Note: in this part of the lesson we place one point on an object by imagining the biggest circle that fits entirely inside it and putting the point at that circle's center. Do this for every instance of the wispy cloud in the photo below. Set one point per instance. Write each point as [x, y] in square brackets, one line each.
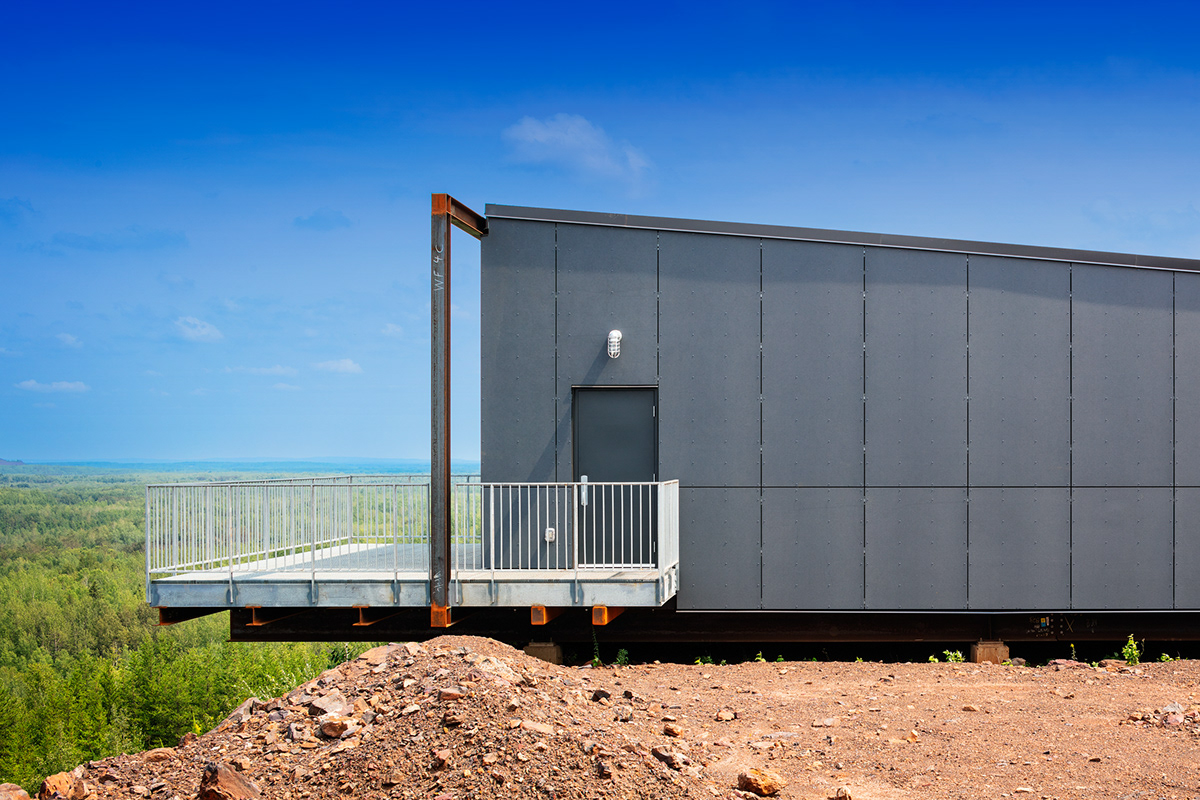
[323, 219]
[278, 369]
[57, 386]
[392, 329]
[286, 387]
[131, 238]
[12, 209]
[68, 340]
[340, 365]
[197, 330]
[572, 142]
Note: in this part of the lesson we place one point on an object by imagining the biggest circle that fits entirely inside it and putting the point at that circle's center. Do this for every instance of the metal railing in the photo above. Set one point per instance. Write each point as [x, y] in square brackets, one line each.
[340, 523]
[380, 524]
[566, 526]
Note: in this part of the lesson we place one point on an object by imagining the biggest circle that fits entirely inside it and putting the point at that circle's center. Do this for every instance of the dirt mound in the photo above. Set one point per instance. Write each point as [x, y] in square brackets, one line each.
[456, 717]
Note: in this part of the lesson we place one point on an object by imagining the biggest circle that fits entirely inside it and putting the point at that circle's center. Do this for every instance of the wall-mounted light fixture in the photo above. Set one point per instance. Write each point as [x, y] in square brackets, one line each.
[614, 344]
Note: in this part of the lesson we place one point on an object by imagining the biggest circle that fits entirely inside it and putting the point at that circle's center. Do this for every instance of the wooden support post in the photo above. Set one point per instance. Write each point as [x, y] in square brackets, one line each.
[602, 615]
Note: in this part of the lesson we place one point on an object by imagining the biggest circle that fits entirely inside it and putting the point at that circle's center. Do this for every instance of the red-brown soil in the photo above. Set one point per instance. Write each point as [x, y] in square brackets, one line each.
[525, 728]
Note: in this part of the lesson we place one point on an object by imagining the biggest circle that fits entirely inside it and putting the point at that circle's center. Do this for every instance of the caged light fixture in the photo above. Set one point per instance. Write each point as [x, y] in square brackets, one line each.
[614, 344]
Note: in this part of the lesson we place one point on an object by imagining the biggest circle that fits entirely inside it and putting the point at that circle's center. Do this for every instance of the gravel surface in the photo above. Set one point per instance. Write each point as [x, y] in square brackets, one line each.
[466, 717]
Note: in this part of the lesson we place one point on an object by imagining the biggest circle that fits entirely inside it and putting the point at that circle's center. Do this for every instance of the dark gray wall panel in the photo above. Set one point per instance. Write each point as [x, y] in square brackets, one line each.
[1020, 320]
[720, 560]
[1187, 379]
[1122, 377]
[1187, 548]
[709, 330]
[812, 549]
[607, 279]
[517, 352]
[916, 384]
[916, 549]
[1020, 548]
[1121, 556]
[812, 364]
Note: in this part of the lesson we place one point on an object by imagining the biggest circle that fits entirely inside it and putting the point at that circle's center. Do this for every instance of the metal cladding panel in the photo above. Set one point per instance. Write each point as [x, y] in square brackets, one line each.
[1122, 555]
[720, 561]
[916, 549]
[1020, 548]
[812, 549]
[517, 415]
[1020, 382]
[1187, 379]
[607, 280]
[709, 329]
[1123, 374]
[812, 322]
[916, 368]
[1187, 548]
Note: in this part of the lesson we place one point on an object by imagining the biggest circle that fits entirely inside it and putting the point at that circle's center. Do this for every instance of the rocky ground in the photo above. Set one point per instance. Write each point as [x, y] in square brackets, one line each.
[458, 718]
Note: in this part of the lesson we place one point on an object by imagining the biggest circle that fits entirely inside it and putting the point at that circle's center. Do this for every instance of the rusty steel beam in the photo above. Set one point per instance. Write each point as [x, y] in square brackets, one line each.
[540, 615]
[259, 617]
[602, 615]
[367, 618]
[446, 211]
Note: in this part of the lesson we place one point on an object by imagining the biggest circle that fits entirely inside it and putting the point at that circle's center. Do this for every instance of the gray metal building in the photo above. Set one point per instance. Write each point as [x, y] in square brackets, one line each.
[858, 421]
[890, 437]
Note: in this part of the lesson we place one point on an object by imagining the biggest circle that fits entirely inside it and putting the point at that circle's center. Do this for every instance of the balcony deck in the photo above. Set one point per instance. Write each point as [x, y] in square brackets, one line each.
[363, 541]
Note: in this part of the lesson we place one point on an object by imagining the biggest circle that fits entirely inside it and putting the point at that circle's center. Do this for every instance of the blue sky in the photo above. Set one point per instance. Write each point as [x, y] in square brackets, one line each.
[214, 220]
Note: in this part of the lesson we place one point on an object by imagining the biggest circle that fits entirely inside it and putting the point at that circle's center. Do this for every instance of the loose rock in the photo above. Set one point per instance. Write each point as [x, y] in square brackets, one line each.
[222, 783]
[763, 782]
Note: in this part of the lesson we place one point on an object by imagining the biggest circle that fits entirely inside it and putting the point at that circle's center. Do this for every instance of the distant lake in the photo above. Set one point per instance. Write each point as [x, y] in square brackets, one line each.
[320, 466]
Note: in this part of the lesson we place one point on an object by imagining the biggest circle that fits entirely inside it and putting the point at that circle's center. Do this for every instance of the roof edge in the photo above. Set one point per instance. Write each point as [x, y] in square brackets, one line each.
[1036, 252]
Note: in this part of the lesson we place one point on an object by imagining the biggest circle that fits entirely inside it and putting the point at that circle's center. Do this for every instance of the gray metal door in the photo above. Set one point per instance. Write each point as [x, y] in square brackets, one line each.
[616, 442]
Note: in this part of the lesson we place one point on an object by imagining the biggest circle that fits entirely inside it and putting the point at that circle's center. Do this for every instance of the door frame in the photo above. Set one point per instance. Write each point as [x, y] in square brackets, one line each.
[575, 418]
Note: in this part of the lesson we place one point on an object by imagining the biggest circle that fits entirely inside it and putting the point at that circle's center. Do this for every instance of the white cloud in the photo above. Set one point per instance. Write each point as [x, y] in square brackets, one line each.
[286, 387]
[278, 369]
[69, 340]
[197, 330]
[392, 329]
[340, 365]
[571, 141]
[57, 386]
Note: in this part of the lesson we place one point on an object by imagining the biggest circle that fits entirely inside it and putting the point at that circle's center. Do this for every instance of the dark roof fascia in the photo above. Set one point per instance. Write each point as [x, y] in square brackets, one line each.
[841, 237]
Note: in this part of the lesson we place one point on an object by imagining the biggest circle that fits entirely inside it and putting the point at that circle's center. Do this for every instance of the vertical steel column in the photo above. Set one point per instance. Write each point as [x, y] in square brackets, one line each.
[446, 212]
[439, 465]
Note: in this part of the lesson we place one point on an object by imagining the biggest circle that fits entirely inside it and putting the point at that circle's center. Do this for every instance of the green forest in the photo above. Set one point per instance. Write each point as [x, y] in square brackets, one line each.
[85, 671]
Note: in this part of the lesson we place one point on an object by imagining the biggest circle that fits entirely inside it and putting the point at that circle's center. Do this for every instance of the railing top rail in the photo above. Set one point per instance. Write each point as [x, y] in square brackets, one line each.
[318, 480]
[571, 483]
